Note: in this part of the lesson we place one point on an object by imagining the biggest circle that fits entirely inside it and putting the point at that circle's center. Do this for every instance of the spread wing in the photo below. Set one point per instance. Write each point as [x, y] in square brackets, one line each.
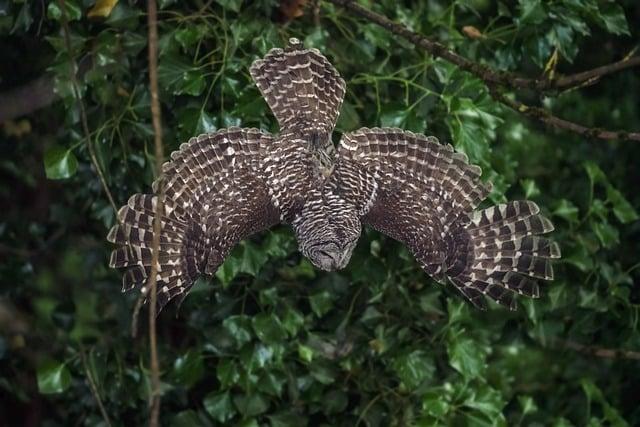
[301, 87]
[423, 194]
[215, 196]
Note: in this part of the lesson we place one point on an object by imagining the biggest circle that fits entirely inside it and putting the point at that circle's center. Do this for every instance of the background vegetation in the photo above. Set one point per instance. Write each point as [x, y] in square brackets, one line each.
[270, 341]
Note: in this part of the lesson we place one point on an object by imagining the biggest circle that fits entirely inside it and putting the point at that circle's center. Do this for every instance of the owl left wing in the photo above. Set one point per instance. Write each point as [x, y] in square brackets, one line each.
[215, 194]
[423, 194]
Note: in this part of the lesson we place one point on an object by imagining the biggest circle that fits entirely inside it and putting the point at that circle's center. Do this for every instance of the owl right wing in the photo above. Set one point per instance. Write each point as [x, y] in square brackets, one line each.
[423, 194]
[215, 194]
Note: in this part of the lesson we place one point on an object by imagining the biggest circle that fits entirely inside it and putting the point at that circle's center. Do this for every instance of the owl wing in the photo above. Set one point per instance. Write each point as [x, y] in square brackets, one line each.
[215, 195]
[424, 194]
[301, 87]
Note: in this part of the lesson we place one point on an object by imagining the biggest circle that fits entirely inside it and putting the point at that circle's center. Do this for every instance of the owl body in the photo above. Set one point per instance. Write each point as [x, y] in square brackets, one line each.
[222, 187]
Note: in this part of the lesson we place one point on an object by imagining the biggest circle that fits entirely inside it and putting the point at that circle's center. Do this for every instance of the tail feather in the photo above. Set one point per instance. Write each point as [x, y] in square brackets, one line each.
[502, 254]
[300, 85]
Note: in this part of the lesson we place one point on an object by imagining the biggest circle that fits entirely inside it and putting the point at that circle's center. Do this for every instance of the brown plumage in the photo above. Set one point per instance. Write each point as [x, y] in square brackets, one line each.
[223, 187]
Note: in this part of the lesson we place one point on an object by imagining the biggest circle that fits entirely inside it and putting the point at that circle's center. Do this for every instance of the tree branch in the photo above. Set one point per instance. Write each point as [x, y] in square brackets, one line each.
[494, 78]
[605, 353]
[544, 116]
[152, 19]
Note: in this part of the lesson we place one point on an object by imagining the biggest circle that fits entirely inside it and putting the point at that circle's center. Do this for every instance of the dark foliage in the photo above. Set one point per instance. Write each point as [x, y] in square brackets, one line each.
[270, 341]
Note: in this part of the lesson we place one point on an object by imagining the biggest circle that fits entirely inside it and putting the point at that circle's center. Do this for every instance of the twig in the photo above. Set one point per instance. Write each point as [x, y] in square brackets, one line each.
[549, 119]
[94, 388]
[152, 19]
[83, 113]
[605, 353]
[494, 78]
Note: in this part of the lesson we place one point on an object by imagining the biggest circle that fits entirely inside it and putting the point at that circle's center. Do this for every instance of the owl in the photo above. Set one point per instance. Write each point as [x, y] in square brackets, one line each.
[222, 187]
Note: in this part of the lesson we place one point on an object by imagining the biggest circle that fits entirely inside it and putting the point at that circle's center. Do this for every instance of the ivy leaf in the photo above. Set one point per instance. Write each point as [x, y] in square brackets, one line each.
[219, 406]
[321, 303]
[268, 328]
[466, 356]
[622, 209]
[530, 188]
[188, 369]
[607, 234]
[60, 163]
[612, 17]
[73, 11]
[414, 368]
[567, 210]
[53, 377]
[239, 327]
[180, 77]
[251, 405]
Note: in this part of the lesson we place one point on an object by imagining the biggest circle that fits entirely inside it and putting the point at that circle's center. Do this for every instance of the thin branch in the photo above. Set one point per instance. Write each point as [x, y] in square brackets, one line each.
[152, 19]
[494, 78]
[605, 353]
[549, 119]
[578, 79]
[83, 113]
[94, 388]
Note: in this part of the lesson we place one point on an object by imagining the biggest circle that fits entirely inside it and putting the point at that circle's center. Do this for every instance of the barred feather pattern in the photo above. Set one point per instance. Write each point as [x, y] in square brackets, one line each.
[222, 187]
[215, 195]
[423, 194]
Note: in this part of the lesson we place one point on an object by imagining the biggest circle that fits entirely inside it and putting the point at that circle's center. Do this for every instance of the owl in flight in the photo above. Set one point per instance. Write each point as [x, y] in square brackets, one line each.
[224, 186]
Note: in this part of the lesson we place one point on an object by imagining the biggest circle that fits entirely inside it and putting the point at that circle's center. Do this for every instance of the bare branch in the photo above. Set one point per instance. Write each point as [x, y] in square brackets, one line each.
[549, 119]
[495, 78]
[605, 353]
[152, 19]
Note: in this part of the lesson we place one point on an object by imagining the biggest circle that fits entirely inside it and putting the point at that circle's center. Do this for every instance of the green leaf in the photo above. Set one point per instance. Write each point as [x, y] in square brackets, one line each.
[239, 327]
[622, 209]
[595, 173]
[612, 17]
[268, 328]
[607, 234]
[251, 405]
[530, 188]
[72, 8]
[305, 353]
[466, 356]
[180, 77]
[292, 321]
[53, 377]
[567, 210]
[487, 401]
[59, 163]
[414, 368]
[188, 369]
[190, 35]
[436, 403]
[219, 406]
[321, 303]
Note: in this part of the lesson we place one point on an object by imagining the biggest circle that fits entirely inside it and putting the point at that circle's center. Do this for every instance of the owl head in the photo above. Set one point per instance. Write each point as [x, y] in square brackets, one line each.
[327, 235]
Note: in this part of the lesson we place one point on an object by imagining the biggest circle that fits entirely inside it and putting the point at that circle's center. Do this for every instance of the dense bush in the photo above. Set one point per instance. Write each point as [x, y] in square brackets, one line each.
[270, 340]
